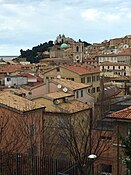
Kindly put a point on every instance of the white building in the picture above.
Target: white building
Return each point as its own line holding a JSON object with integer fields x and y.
{"x": 14, "y": 80}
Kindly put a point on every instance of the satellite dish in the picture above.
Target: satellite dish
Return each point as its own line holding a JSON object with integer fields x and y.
{"x": 65, "y": 89}
{"x": 66, "y": 99}
{"x": 59, "y": 86}
{"x": 58, "y": 76}
{"x": 56, "y": 102}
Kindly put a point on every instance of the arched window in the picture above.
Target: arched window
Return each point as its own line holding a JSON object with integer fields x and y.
{"x": 77, "y": 48}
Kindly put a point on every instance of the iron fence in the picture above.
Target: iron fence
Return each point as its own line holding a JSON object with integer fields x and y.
{"x": 17, "y": 164}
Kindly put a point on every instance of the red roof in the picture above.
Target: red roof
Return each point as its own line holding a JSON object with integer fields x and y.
{"x": 2, "y": 76}
{"x": 39, "y": 79}
{"x": 83, "y": 70}
{"x": 125, "y": 52}
{"x": 35, "y": 83}
{"x": 27, "y": 75}
{"x": 122, "y": 114}
{"x": 10, "y": 68}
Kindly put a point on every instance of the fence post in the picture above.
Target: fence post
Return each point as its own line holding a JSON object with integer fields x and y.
{"x": 17, "y": 163}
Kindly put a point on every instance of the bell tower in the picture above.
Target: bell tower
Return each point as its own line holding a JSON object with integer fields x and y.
{"x": 78, "y": 52}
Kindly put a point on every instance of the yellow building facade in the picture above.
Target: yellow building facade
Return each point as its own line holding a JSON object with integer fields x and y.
{"x": 78, "y": 74}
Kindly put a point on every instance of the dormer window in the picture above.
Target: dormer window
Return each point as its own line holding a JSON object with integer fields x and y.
{"x": 58, "y": 69}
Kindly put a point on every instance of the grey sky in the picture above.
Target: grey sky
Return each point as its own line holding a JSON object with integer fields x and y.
{"x": 26, "y": 23}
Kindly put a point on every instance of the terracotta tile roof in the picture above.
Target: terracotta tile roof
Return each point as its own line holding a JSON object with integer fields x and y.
{"x": 70, "y": 84}
{"x": 122, "y": 114}
{"x": 82, "y": 70}
{"x": 2, "y": 76}
{"x": 108, "y": 63}
{"x": 32, "y": 84}
{"x": 37, "y": 85}
{"x": 121, "y": 78}
{"x": 54, "y": 59}
{"x": 18, "y": 103}
{"x": 27, "y": 75}
{"x": 125, "y": 52}
{"x": 107, "y": 55}
{"x": 16, "y": 90}
{"x": 39, "y": 79}
{"x": 10, "y": 68}
{"x": 70, "y": 107}
{"x": 73, "y": 106}
{"x": 92, "y": 61}
{"x": 56, "y": 95}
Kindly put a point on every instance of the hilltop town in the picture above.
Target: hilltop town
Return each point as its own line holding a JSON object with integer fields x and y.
{"x": 67, "y": 100}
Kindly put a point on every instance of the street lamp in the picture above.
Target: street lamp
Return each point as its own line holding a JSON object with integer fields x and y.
{"x": 92, "y": 157}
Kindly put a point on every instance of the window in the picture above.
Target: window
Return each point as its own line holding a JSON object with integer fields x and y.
{"x": 98, "y": 89}
{"x": 98, "y": 77}
{"x": 106, "y": 125}
{"x": 77, "y": 48}
{"x": 106, "y": 168}
{"x": 72, "y": 79}
{"x": 83, "y": 80}
{"x": 81, "y": 93}
{"x": 8, "y": 79}
{"x": 77, "y": 94}
{"x": 129, "y": 129}
{"x": 93, "y": 90}
{"x": 108, "y": 138}
{"x": 128, "y": 132}
{"x": 58, "y": 69}
{"x": 119, "y": 67}
{"x": 93, "y": 78}
{"x": 88, "y": 79}
{"x": 89, "y": 91}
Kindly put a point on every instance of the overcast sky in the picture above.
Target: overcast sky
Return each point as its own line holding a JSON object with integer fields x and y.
{"x": 26, "y": 23}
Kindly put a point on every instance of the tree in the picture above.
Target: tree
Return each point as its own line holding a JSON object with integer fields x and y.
{"x": 9, "y": 140}
{"x": 21, "y": 133}
{"x": 32, "y": 54}
{"x": 127, "y": 151}
{"x": 81, "y": 139}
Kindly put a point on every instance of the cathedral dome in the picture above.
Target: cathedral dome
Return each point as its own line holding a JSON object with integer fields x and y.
{"x": 63, "y": 46}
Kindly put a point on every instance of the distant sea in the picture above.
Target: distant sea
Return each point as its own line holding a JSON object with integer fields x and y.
{"x": 10, "y": 57}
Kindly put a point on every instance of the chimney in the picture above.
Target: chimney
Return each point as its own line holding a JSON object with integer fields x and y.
{"x": 47, "y": 85}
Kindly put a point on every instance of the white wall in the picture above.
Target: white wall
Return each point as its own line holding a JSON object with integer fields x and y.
{"x": 11, "y": 81}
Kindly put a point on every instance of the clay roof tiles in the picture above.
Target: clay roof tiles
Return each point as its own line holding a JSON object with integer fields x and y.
{"x": 82, "y": 70}
{"x": 122, "y": 114}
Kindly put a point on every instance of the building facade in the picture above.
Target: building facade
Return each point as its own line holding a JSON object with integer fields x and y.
{"x": 78, "y": 74}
